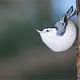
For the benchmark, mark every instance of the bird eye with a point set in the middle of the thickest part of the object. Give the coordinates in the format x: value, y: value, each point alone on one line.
x: 47, y: 30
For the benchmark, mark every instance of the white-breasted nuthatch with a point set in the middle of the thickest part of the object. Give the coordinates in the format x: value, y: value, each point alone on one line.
x: 62, y: 36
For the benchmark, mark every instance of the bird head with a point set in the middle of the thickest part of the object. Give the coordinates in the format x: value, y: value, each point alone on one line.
x: 46, y: 31
x: 47, y: 34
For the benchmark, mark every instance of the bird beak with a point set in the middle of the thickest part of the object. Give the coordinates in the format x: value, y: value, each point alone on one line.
x: 38, y: 30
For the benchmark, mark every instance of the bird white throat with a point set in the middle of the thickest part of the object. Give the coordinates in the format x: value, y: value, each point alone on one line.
x: 59, y: 43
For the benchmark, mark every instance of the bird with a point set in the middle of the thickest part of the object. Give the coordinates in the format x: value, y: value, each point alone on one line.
x: 62, y: 35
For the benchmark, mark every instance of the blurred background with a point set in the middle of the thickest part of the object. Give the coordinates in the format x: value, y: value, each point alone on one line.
x: 23, y: 55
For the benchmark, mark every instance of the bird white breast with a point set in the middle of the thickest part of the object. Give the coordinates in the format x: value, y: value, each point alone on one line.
x: 61, y: 43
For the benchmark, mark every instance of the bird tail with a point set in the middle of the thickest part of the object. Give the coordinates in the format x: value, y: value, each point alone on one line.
x: 71, y: 12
